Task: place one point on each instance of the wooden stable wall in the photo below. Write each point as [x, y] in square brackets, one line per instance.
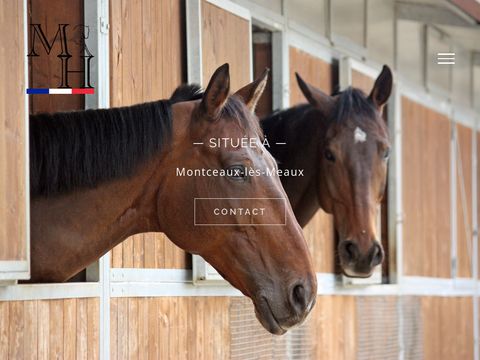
[425, 188]
[362, 81]
[147, 57]
[225, 38]
[339, 327]
[50, 329]
[319, 232]
[464, 201]
[12, 133]
[170, 328]
[447, 328]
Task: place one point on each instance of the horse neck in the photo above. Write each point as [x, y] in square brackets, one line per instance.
[69, 232]
[299, 128]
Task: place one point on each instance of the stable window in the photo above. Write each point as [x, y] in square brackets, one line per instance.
[51, 31]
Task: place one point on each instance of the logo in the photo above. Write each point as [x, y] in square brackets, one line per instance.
[40, 45]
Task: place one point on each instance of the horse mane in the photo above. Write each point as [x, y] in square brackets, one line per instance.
[81, 149]
[353, 102]
[187, 92]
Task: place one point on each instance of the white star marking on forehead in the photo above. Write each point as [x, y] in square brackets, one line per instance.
[359, 135]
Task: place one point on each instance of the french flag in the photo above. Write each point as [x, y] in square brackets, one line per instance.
[63, 91]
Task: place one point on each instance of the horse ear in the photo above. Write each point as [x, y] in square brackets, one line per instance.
[315, 96]
[252, 92]
[217, 91]
[382, 88]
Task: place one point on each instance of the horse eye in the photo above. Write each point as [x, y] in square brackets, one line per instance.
[329, 156]
[386, 154]
[236, 172]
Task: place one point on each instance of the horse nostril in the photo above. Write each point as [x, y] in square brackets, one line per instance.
[377, 255]
[298, 298]
[299, 294]
[351, 251]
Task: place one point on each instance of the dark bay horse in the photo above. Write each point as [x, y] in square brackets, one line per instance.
[342, 143]
[99, 176]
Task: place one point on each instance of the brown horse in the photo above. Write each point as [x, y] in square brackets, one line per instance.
[99, 176]
[341, 143]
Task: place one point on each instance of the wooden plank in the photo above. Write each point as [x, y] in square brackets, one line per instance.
[82, 329]
[12, 134]
[127, 245]
[159, 253]
[225, 333]
[117, 257]
[166, 36]
[122, 333]
[136, 74]
[182, 326]
[30, 329]
[16, 330]
[43, 331]
[4, 324]
[169, 253]
[138, 248]
[426, 195]
[114, 328]
[93, 328]
[350, 327]
[225, 38]
[164, 315]
[149, 242]
[173, 348]
[201, 333]
[143, 328]
[56, 329]
[208, 325]
[69, 328]
[191, 333]
[464, 186]
[132, 328]
[153, 329]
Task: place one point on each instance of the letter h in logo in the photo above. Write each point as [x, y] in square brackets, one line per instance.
[64, 55]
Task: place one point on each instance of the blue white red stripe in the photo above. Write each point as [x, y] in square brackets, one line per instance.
[60, 91]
